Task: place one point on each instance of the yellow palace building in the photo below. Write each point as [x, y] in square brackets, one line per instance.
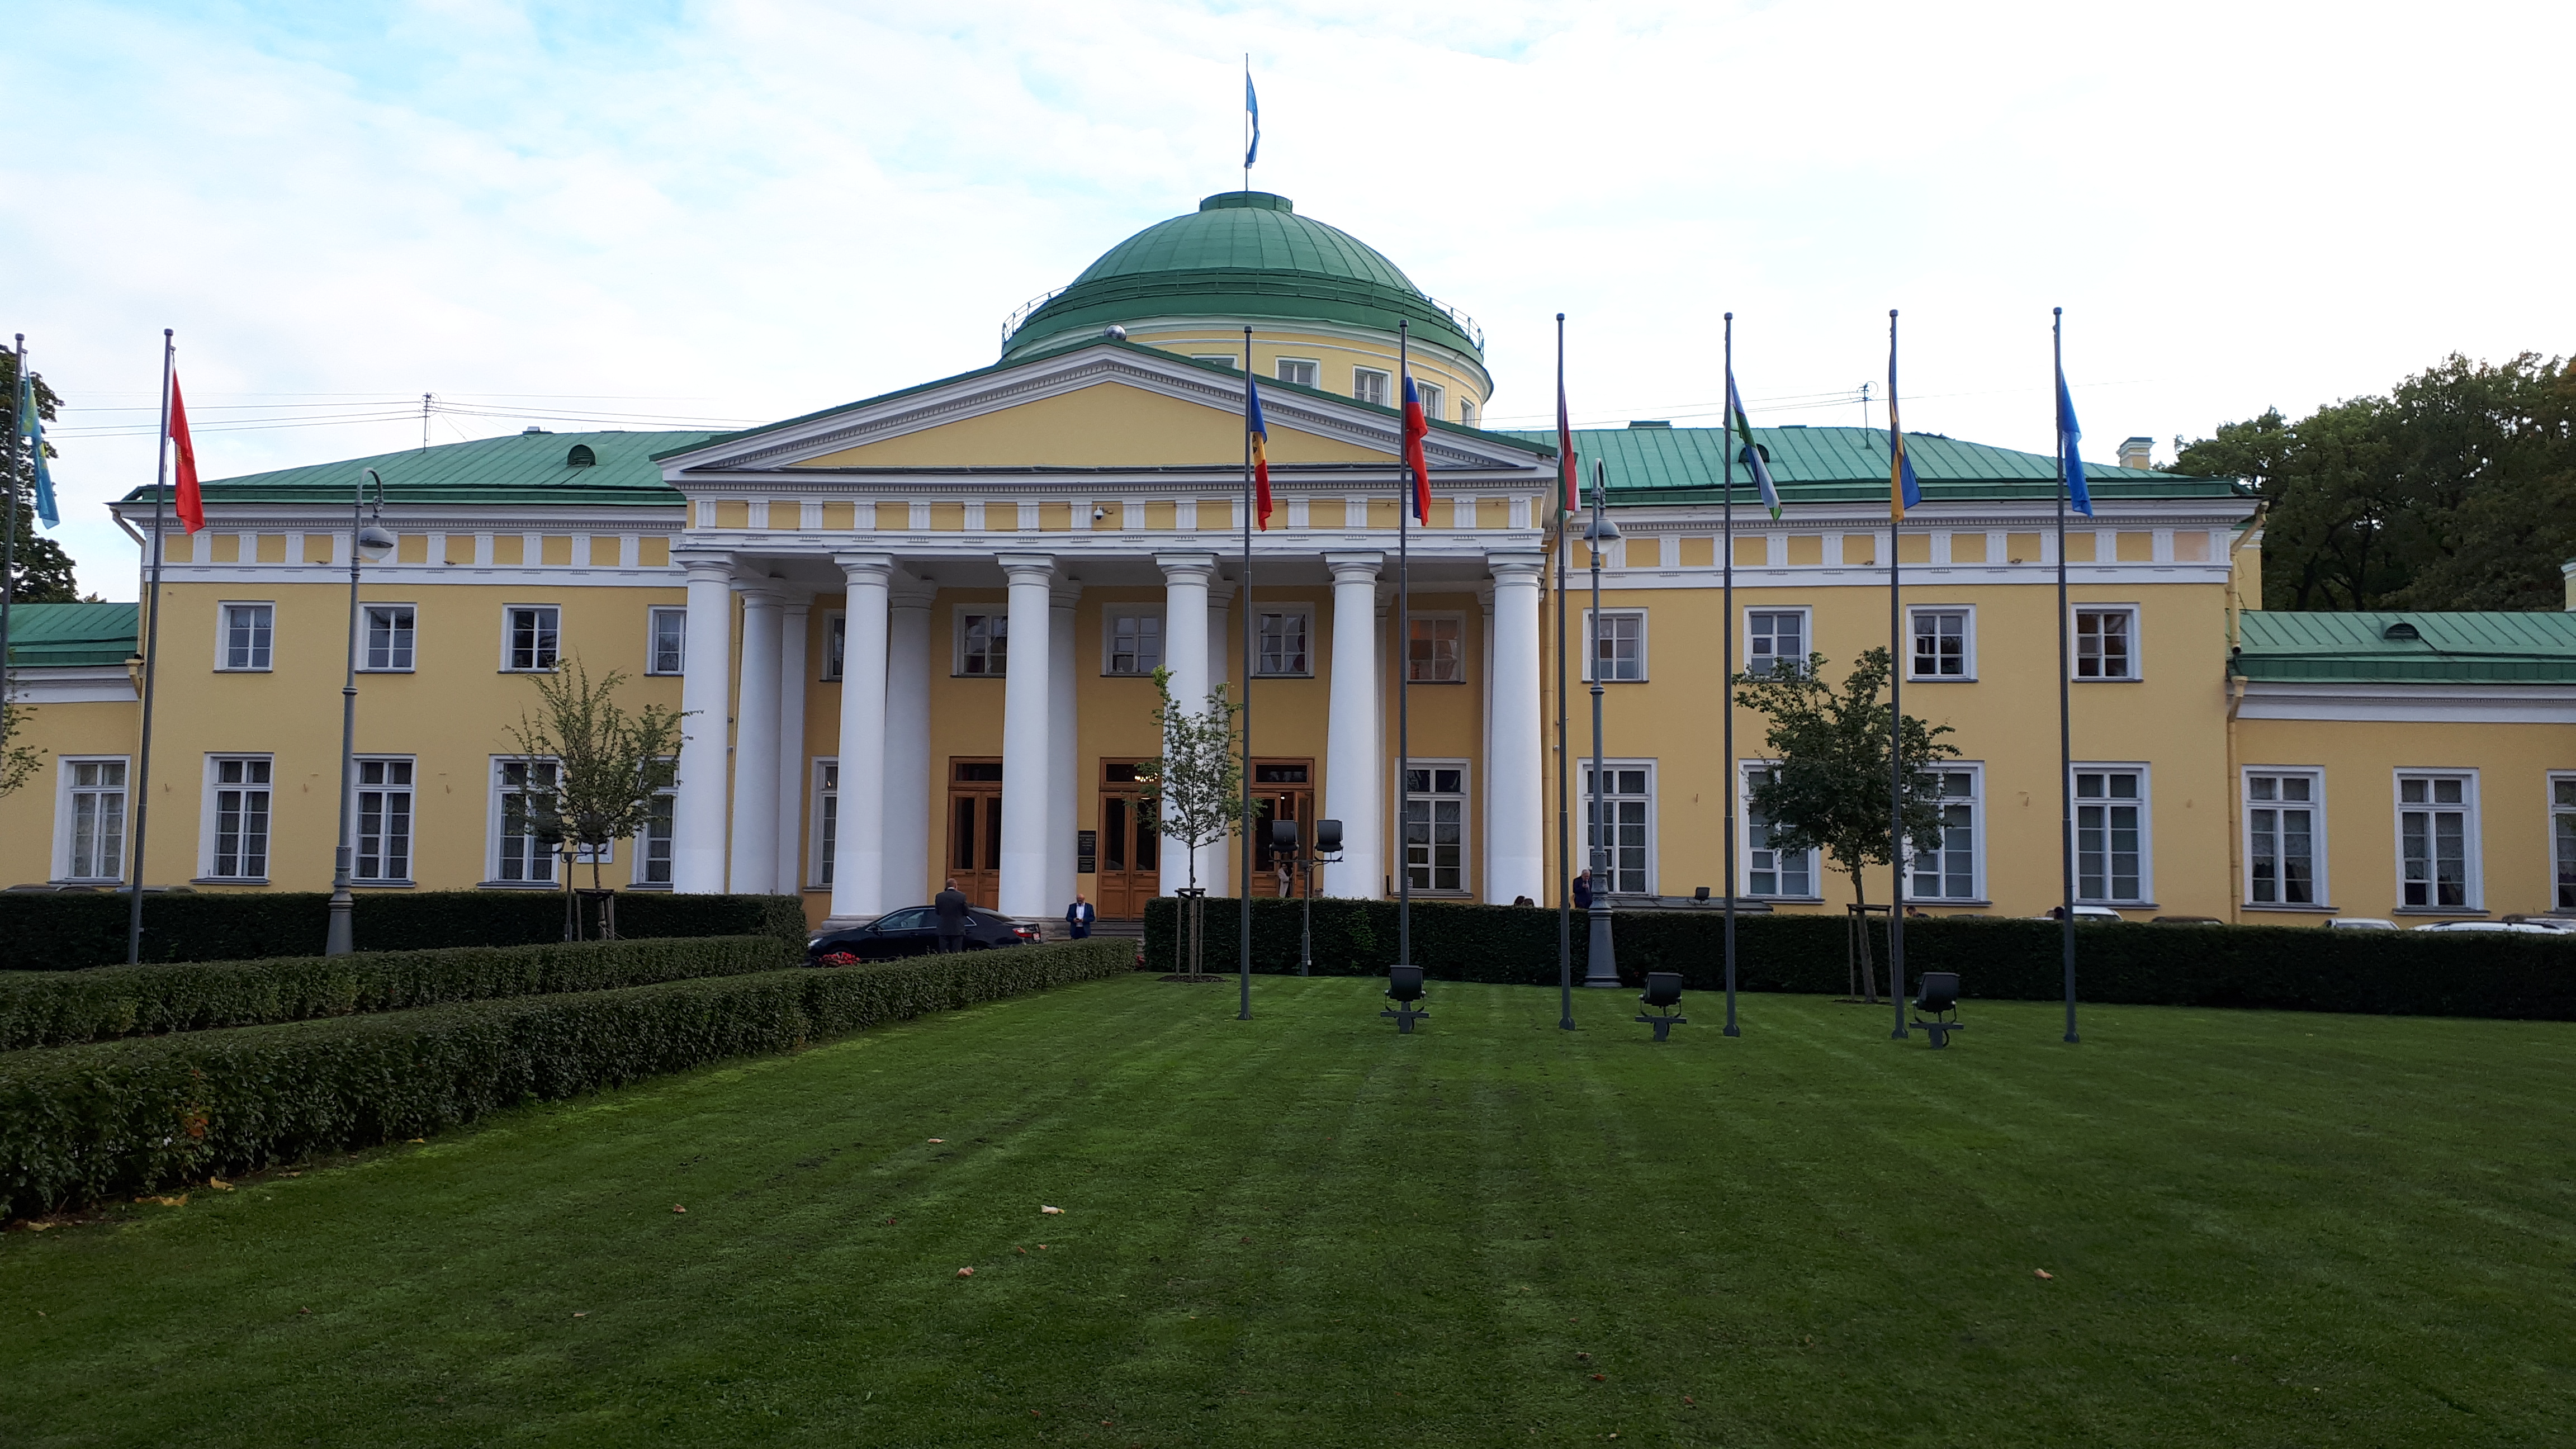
[915, 637]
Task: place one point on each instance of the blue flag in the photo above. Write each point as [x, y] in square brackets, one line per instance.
[1752, 455]
[1252, 111]
[31, 432]
[2070, 468]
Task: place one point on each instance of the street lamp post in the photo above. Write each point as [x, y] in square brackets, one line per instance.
[1603, 967]
[369, 541]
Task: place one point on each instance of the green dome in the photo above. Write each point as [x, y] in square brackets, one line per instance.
[1242, 254]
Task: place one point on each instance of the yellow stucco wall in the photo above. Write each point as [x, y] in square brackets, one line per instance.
[1105, 424]
[28, 816]
[1335, 357]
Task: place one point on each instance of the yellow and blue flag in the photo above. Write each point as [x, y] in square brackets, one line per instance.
[31, 431]
[2070, 468]
[1260, 431]
[1904, 490]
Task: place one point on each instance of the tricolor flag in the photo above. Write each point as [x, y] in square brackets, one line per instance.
[1260, 432]
[31, 429]
[2069, 466]
[1752, 456]
[1416, 428]
[1904, 491]
[1565, 465]
[192, 504]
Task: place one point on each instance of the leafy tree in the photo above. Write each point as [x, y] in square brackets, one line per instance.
[43, 572]
[18, 763]
[608, 764]
[1196, 784]
[1830, 790]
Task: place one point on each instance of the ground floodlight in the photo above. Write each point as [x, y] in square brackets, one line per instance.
[1939, 995]
[1404, 985]
[1663, 992]
[1700, 895]
[1283, 836]
[1328, 837]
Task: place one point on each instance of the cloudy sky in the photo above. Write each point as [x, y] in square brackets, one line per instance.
[659, 214]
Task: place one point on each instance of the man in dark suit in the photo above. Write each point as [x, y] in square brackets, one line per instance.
[1583, 891]
[1078, 917]
[951, 906]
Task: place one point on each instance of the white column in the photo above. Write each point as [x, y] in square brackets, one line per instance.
[1185, 646]
[698, 812]
[859, 836]
[794, 779]
[1064, 762]
[1354, 772]
[1026, 798]
[908, 766]
[1515, 812]
[1214, 872]
[754, 861]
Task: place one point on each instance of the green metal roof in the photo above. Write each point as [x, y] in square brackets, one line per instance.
[1840, 465]
[64, 635]
[520, 468]
[1243, 254]
[2448, 648]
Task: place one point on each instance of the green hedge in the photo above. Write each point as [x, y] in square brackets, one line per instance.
[60, 931]
[2399, 973]
[84, 1122]
[59, 1008]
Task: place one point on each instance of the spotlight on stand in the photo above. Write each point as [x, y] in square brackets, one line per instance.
[1663, 992]
[1940, 996]
[1404, 984]
[1700, 896]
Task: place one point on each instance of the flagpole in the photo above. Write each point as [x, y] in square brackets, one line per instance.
[151, 658]
[2065, 666]
[1243, 942]
[1895, 703]
[1564, 840]
[1404, 663]
[1726, 672]
[22, 402]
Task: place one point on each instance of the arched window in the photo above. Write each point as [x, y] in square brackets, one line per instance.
[580, 457]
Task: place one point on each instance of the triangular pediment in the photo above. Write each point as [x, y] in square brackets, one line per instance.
[1108, 423]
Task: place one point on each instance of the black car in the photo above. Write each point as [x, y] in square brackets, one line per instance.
[914, 931]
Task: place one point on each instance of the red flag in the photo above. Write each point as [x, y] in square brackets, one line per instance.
[1416, 428]
[192, 504]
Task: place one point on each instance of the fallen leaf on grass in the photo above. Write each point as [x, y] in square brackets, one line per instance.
[1687, 1399]
[1587, 1358]
[585, 1313]
[2044, 1273]
[180, 1201]
[1041, 1247]
[38, 1227]
[675, 1207]
[1600, 1378]
[1247, 1240]
[1022, 1251]
[1042, 1208]
[219, 1184]
[941, 1140]
[965, 1272]
[417, 1139]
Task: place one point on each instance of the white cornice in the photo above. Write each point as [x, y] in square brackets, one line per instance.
[71, 684]
[2410, 703]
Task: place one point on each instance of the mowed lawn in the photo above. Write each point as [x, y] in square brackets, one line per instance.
[1308, 1230]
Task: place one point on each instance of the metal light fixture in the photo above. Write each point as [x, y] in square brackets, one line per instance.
[1404, 987]
[1663, 992]
[371, 543]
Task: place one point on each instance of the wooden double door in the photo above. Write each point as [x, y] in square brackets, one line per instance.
[975, 829]
[1281, 790]
[1130, 849]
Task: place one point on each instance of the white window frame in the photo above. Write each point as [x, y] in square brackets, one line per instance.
[1744, 773]
[265, 660]
[653, 618]
[667, 799]
[1465, 796]
[1448, 616]
[2562, 862]
[2075, 638]
[1466, 413]
[957, 640]
[1314, 371]
[509, 628]
[823, 842]
[64, 821]
[1583, 821]
[1385, 386]
[1109, 618]
[208, 815]
[1611, 616]
[410, 655]
[1967, 644]
[2320, 878]
[2146, 895]
[358, 789]
[1303, 612]
[836, 647]
[2472, 827]
[1806, 633]
[492, 836]
[1433, 395]
[1976, 801]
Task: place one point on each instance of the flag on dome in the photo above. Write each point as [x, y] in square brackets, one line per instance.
[31, 428]
[2070, 467]
[192, 504]
[1252, 115]
[1416, 427]
[1260, 433]
[1753, 456]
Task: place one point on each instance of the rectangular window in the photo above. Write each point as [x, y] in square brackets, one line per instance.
[384, 821]
[2284, 835]
[668, 649]
[2110, 836]
[2562, 840]
[1435, 826]
[2106, 643]
[653, 856]
[525, 842]
[249, 634]
[827, 818]
[1626, 802]
[2437, 842]
[1298, 370]
[1283, 643]
[1466, 413]
[1432, 397]
[1940, 645]
[94, 806]
[983, 645]
[836, 639]
[1768, 869]
[241, 819]
[1618, 651]
[1772, 637]
[1134, 643]
[1945, 867]
[534, 631]
[389, 638]
[1369, 385]
[1437, 655]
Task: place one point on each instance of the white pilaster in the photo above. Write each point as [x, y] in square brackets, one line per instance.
[1515, 813]
[1185, 644]
[905, 831]
[794, 779]
[1214, 871]
[1027, 801]
[1354, 771]
[698, 812]
[859, 841]
[754, 860]
[1063, 752]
